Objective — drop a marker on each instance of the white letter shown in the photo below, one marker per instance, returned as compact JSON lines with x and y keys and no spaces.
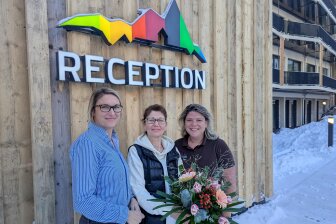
{"x":109,"y":71}
{"x":199,"y":79}
{"x":88,"y":68}
{"x":177,"y":75}
{"x":165,"y":75}
{"x":183,"y":78}
{"x":62,"y":68}
{"x":130,"y":73}
{"x":148,"y":76}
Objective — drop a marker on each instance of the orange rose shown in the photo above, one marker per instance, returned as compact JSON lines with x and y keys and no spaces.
{"x":221,"y":198}
{"x":187,"y":176}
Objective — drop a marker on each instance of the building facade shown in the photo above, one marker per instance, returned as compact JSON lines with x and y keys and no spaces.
{"x":304,"y":56}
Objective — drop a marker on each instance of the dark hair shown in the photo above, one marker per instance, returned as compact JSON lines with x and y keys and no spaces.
{"x":209,"y":132}
{"x":96,"y":95}
{"x":154,"y":107}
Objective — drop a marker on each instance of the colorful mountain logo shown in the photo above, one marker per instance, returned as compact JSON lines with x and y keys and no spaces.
{"x":144,"y":30}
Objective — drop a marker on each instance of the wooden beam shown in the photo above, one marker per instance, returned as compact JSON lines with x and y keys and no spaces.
{"x":40,"y":105}
{"x":60,"y":103}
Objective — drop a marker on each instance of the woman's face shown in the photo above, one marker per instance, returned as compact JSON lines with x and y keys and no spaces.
{"x":107,"y":120}
{"x":195,"y":124}
{"x":155,"y":124}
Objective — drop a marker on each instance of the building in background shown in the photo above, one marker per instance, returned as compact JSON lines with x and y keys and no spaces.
{"x":304,"y":56}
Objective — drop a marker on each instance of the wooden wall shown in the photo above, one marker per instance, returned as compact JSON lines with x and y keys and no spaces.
{"x":40,"y":117}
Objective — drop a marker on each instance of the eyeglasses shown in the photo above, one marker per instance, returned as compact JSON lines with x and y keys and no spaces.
{"x":160,"y":121}
{"x":107,"y":108}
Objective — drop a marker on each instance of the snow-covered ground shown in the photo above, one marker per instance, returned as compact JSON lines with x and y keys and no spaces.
{"x":304,"y":170}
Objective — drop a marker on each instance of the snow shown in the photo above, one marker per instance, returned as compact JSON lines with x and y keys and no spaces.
{"x":304,"y":171}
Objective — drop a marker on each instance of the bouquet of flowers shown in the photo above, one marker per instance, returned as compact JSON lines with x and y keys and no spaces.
{"x":198,"y":197}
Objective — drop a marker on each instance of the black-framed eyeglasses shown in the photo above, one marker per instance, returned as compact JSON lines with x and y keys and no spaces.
{"x":152,"y":120}
{"x":107,"y":108}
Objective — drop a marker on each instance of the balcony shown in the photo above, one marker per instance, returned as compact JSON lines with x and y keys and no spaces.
{"x":329,"y":82}
{"x":304,"y":79}
{"x":303,"y":29}
{"x":301,"y":78}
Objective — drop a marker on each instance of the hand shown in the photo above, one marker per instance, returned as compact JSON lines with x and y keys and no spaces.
{"x":134,"y":217}
{"x":134,"y":205}
{"x":175,"y":216}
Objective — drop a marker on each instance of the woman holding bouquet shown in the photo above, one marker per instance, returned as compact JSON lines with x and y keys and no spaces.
{"x":152,"y":157}
{"x":200,"y":144}
{"x":100,"y":178}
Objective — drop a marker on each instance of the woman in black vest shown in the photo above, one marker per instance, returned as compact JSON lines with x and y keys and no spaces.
{"x":152,"y":157}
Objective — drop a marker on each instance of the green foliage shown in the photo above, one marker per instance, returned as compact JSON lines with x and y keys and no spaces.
{"x":207,"y":201}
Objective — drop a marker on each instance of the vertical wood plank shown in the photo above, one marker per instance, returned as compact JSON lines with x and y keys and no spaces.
{"x":248,"y":97}
{"x":172,"y":98}
{"x":132,"y":94}
{"x":16,"y":203}
{"x":60,"y":103}
{"x":267,"y":95}
{"x":204,"y":39}
{"x":9,"y":180}
{"x":115,"y":9}
{"x":187,"y":60}
{"x":220,"y":61}
{"x":40,"y":105}
{"x":259,"y":90}
{"x":239,"y":95}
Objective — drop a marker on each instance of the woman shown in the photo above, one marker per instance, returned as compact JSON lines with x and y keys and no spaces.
{"x":152,"y":157}
{"x":100,"y":178}
{"x":201,"y":144}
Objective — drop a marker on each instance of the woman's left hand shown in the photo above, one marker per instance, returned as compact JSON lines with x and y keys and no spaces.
{"x":134,"y":205}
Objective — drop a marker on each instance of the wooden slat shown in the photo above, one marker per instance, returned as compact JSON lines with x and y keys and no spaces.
{"x":220,"y":62}
{"x":238,"y":110}
{"x":132,"y":107}
{"x":187,"y":61}
{"x":267,"y":95}
{"x":171,"y":97}
{"x":248,"y":98}
{"x":16,"y":204}
{"x":205,"y":38}
{"x":40,"y":110}
{"x":60,"y":99}
{"x":195,"y":38}
{"x":22,"y":122}
{"x":259,"y":89}
{"x":7,"y":123}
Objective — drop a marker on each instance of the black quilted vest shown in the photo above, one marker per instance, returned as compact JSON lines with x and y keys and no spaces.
{"x":154,"y":178}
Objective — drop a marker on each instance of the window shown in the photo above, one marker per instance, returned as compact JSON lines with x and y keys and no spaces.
{"x":275,"y":62}
{"x":310,"y":10}
{"x":293,"y":66}
{"x":310,"y":68}
{"x":325,"y":72}
{"x":297,"y":5}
